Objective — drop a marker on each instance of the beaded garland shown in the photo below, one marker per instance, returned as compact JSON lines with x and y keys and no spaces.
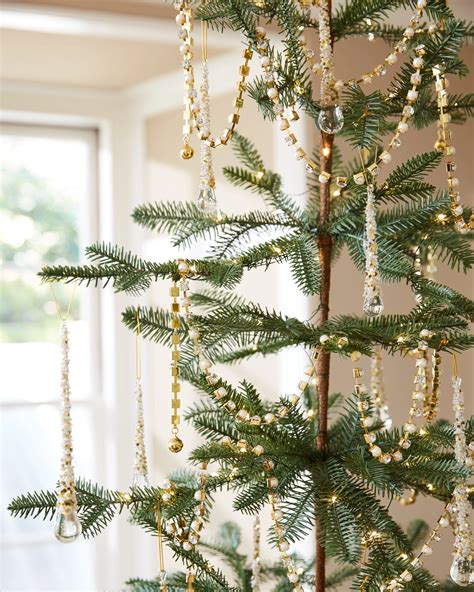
{"x":381,"y":69}
{"x":192,"y":119}
{"x":415,"y":410}
{"x":444,"y":145}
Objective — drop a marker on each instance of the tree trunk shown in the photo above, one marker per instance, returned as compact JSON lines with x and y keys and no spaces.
{"x":324,"y":360}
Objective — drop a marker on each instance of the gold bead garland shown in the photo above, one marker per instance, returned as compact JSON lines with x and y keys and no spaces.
{"x":191,"y":118}
{"x":444,"y":145}
{"x":380,"y":69}
{"x":175,"y":444}
{"x":285,"y":118}
{"x":406,"y":576}
{"x":415,"y":410}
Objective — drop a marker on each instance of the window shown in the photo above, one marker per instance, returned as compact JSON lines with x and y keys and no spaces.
{"x":48,"y":212}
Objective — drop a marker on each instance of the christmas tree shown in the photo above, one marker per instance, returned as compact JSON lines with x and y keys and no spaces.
{"x":320,"y":461}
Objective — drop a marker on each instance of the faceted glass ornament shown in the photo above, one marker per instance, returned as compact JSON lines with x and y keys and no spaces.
{"x":462,"y":571}
{"x":331,"y":119}
{"x":67,"y":527}
{"x":373,"y":307}
{"x":140,"y":480}
{"x":207,"y":201}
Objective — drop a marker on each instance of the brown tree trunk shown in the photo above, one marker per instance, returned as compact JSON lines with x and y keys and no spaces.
{"x":323,"y":364}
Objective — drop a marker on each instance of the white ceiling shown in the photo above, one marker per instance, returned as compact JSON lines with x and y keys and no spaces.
{"x":104,"y":48}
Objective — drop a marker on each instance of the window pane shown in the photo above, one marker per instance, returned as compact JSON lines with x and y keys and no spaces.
{"x":44,"y":193}
{"x":31,"y":445}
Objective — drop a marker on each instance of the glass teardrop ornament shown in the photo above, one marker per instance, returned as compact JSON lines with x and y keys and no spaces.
{"x":374,"y":306}
{"x":207,"y":201}
{"x":462,"y":571}
{"x":67,"y":527}
{"x":140,"y":480}
{"x":331,"y":119}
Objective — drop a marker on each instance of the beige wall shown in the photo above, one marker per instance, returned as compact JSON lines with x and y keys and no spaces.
{"x":170,"y":178}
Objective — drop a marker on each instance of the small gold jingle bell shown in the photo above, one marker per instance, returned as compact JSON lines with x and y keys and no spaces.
{"x":440,"y":146}
{"x":186,"y":152}
{"x":175,"y":444}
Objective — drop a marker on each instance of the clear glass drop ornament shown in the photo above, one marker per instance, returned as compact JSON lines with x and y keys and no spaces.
{"x":331,"y":119}
{"x":67,"y":527}
{"x":462,"y":571}
{"x":207,"y":201}
{"x":140,"y":480}
{"x":374,"y":306}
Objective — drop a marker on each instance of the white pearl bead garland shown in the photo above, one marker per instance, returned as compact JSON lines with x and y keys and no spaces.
{"x":220,"y":393}
{"x":416,"y":408}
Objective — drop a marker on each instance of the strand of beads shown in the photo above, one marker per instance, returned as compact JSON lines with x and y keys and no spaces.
{"x":415,"y":410}
{"x":286,"y":117}
{"x":188,"y":536}
{"x":377,"y":389}
{"x":444,"y":145}
{"x":185,"y":21}
{"x":255,"y":578}
{"x":408,"y":110}
{"x":192,"y":116}
{"x":220,"y":393}
{"x":381,"y":69}
{"x":277,"y":515}
{"x":462,"y":568}
{"x":406,"y":576}
{"x":67,"y":527}
{"x":372,"y":297}
{"x":175,"y":444}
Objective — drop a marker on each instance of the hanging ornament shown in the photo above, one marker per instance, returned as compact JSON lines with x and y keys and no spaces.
{"x":161,"y":557}
{"x":207,"y":195}
{"x":67,"y":527}
{"x":373,"y":305}
{"x":331,"y":117}
{"x":462,"y":567}
{"x":377,"y":390}
{"x":140,"y":473}
{"x":432,"y":394}
{"x":255,"y":578}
